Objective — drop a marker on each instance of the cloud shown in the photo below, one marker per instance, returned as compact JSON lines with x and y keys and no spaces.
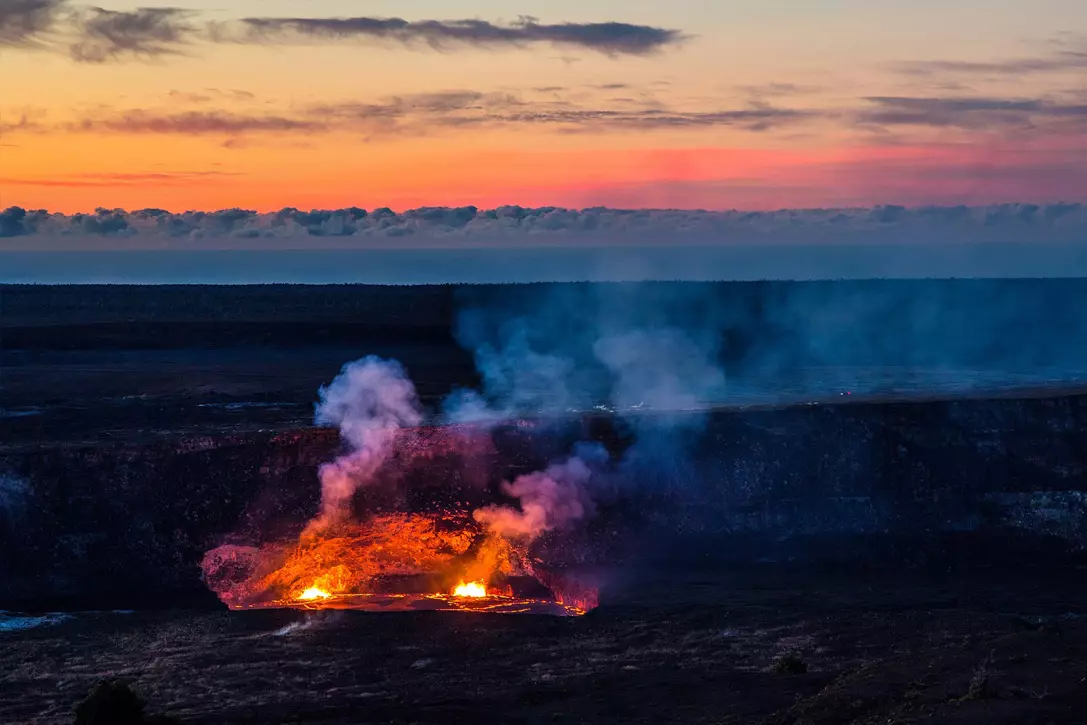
{"x":422,"y":113}
{"x":609,"y":38}
{"x":756,"y":118}
{"x":972,"y":113}
{"x":426,"y":113}
{"x":92,"y":180}
{"x":1065,"y":58}
{"x":207,"y":95}
{"x":1015,"y":66}
{"x":928,"y":225}
{"x":144,"y":33}
{"x":24,"y":22}
{"x":777,"y":90}
{"x":98,"y":35}
{"x":189,"y":97}
{"x":24,"y":124}
{"x":194,"y":123}
{"x":463,"y":109}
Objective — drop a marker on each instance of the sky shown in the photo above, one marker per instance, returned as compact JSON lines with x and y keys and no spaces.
{"x":687,"y":104}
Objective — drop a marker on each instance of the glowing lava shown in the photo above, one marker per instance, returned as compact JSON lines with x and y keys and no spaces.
{"x":387,"y":563}
{"x":472,"y":589}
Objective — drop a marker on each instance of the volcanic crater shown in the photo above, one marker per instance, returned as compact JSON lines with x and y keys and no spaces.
{"x":912,"y":555}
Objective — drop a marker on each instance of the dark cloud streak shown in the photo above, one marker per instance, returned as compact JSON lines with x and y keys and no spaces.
{"x":1068,"y":57}
{"x":895,"y":118}
{"x":970,"y":113}
{"x":1066,"y":60}
{"x":144,"y":33}
{"x":195,"y":123}
{"x":24,"y":22}
{"x":610,"y":38}
{"x":98,"y":35}
{"x":463,"y":109}
{"x":424,"y":113}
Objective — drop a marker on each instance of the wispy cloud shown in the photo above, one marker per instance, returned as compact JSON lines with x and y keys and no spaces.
{"x":98,"y":35}
{"x":23,"y":125}
{"x":144,"y":33}
{"x":777,"y":90}
{"x":208,"y":95}
{"x":427,"y":113}
{"x":970,"y":113}
{"x":24,"y":22}
{"x":190,"y":97}
{"x":1067,"y":55}
{"x":460,"y":109}
{"x":896,"y":119}
{"x":193,"y":123}
{"x":610,"y":38}
{"x":756,"y":118}
{"x":108,"y":180}
{"x":1066,"y":60}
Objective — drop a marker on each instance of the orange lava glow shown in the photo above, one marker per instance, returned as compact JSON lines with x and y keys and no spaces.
{"x":471,"y":589}
{"x":437,"y":561}
{"x":391,"y":562}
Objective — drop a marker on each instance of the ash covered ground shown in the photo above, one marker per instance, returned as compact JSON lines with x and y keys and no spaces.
{"x":910,"y":553}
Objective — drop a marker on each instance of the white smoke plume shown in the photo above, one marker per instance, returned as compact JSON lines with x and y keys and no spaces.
{"x":369,"y":401}
{"x":629,"y":350}
{"x":469,"y":407}
{"x":519,"y":379}
{"x":550,"y":500}
{"x":663,"y":369}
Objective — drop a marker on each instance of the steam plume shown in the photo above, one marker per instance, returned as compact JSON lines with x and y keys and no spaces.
{"x":550,"y":500}
{"x":369,"y":401}
{"x":642,"y":348}
{"x":663,"y":369}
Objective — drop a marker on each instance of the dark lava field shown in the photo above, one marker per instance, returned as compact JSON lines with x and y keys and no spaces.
{"x":715,"y":648}
{"x":883,"y":519}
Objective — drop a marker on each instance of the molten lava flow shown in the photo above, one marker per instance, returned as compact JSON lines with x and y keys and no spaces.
{"x":407,"y":561}
{"x":391,"y":562}
{"x":472,"y":589}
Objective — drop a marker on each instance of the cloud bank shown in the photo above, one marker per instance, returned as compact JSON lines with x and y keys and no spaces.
{"x":515,"y":225}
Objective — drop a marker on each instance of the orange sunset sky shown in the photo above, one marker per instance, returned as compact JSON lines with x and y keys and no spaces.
{"x":686,"y":104}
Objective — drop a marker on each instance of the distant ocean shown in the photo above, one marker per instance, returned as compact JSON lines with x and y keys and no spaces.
{"x":541,"y":264}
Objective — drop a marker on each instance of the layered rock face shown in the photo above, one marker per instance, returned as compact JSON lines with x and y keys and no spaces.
{"x":919,"y":483}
